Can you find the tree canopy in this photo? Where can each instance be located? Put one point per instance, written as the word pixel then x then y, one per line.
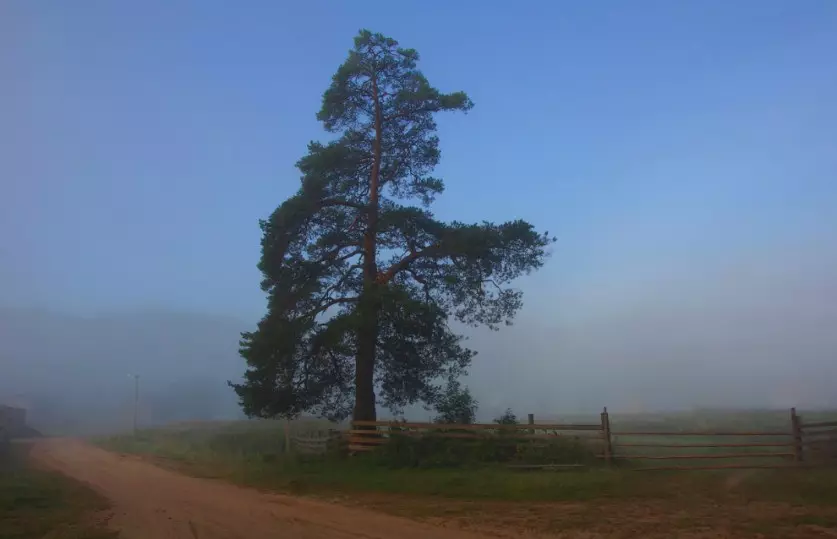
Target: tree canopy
pixel 362 281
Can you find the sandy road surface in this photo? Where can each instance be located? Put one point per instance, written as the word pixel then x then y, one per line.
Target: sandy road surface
pixel 153 503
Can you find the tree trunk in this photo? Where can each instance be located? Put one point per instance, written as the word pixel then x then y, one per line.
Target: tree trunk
pixel 367 337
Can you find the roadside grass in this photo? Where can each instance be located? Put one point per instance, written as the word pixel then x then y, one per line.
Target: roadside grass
pixel 254 457
pixel 494 500
pixel 36 503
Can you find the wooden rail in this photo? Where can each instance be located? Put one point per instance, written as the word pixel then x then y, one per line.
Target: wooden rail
pixel 711 456
pixel 701 433
pixel 831 433
pixel 818 425
pixel 718 467
pixel 474 426
pixel 678 446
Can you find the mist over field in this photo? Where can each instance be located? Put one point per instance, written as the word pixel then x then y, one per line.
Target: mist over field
pixel 73 372
pixel 757 335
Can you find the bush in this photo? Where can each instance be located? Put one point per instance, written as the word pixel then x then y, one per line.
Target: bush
pixel 430 451
pixel 437 451
pixel 508 418
pixel 456 405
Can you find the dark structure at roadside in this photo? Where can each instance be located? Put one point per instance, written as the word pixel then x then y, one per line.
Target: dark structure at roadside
pixel 13 423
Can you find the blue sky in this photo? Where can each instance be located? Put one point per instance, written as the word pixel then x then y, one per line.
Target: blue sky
pixel 141 142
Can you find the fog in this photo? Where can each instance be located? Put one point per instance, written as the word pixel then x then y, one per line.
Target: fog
pixel 755 333
pixel 683 155
pixel 75 373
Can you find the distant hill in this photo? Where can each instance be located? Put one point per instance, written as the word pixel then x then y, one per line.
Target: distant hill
pixel 73 373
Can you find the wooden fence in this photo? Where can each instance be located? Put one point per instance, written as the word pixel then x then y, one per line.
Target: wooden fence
pixel 706 449
pixel 817 443
pixel 365 436
pixel 799 444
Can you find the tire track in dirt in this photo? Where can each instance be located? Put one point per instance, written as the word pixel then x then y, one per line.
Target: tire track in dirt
pixel 150 502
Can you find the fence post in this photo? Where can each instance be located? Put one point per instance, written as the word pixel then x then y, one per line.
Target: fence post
pixel 608 449
pixel 531 422
pixel 796 424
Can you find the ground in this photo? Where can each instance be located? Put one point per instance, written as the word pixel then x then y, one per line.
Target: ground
pixel 153 500
pixel 39 503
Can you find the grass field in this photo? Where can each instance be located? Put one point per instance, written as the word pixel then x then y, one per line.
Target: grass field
pixel 610 503
pixel 36 503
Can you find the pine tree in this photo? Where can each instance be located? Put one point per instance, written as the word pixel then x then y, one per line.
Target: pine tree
pixel 362 281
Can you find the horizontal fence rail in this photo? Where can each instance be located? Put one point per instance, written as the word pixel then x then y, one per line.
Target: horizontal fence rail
pixel 701 433
pixel 710 456
pixel 818 425
pixel 678 446
pixel 476 426
pixel 719 467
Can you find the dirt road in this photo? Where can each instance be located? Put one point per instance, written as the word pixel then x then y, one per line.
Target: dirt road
pixel 153 503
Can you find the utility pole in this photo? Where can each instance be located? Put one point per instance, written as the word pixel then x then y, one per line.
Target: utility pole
pixel 136 401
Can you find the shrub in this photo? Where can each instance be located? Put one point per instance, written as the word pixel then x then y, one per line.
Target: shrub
pixel 508 418
pixel 456 405
pixel 437 451
pixel 428 451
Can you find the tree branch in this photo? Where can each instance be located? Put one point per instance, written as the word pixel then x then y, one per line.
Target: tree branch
pixel 342 280
pixel 356 252
pixel 325 306
pixel 424 284
pixel 330 202
pixel 404 263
